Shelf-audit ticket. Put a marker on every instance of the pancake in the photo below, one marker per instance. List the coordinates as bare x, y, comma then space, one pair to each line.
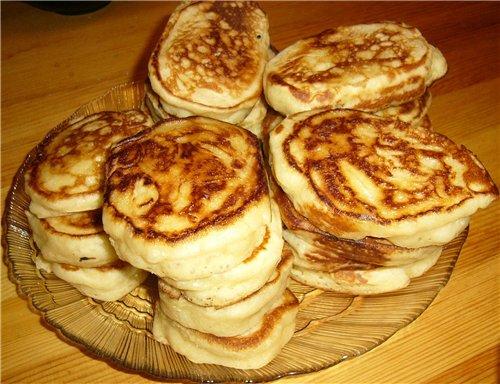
354, 175
323, 247
328, 253
251, 350
368, 249
210, 59
233, 285
229, 320
67, 174
153, 104
106, 283
413, 112
271, 121
253, 121
436, 236
368, 281
366, 67
187, 198
76, 239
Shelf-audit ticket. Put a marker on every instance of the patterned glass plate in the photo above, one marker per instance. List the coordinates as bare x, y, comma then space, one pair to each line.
330, 327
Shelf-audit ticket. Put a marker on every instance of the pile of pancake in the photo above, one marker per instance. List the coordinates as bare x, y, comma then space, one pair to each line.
368, 191
209, 62
218, 249
65, 183
188, 201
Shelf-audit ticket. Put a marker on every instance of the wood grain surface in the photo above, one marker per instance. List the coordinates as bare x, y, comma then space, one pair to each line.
51, 64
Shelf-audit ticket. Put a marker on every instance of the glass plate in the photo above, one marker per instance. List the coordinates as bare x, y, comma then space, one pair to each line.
330, 327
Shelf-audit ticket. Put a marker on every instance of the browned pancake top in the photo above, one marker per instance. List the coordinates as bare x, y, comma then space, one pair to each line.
71, 159
381, 170
183, 176
367, 67
334, 252
215, 46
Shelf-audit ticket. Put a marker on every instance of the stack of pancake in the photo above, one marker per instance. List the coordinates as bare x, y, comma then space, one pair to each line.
209, 62
369, 193
188, 200
65, 184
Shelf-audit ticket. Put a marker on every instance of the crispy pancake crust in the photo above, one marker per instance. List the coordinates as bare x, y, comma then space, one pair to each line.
76, 239
68, 172
367, 67
210, 59
353, 174
187, 198
251, 350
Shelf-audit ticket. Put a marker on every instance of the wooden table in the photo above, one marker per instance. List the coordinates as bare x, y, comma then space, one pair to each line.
51, 64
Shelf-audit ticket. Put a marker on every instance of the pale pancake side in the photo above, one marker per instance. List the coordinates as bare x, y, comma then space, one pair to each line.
76, 239
232, 319
251, 274
253, 122
153, 104
433, 237
106, 283
363, 281
412, 112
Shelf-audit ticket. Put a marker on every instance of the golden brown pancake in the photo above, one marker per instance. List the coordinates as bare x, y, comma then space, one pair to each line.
187, 198
210, 59
107, 283
249, 276
354, 174
77, 239
153, 104
251, 350
68, 172
362, 280
232, 319
321, 248
367, 67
